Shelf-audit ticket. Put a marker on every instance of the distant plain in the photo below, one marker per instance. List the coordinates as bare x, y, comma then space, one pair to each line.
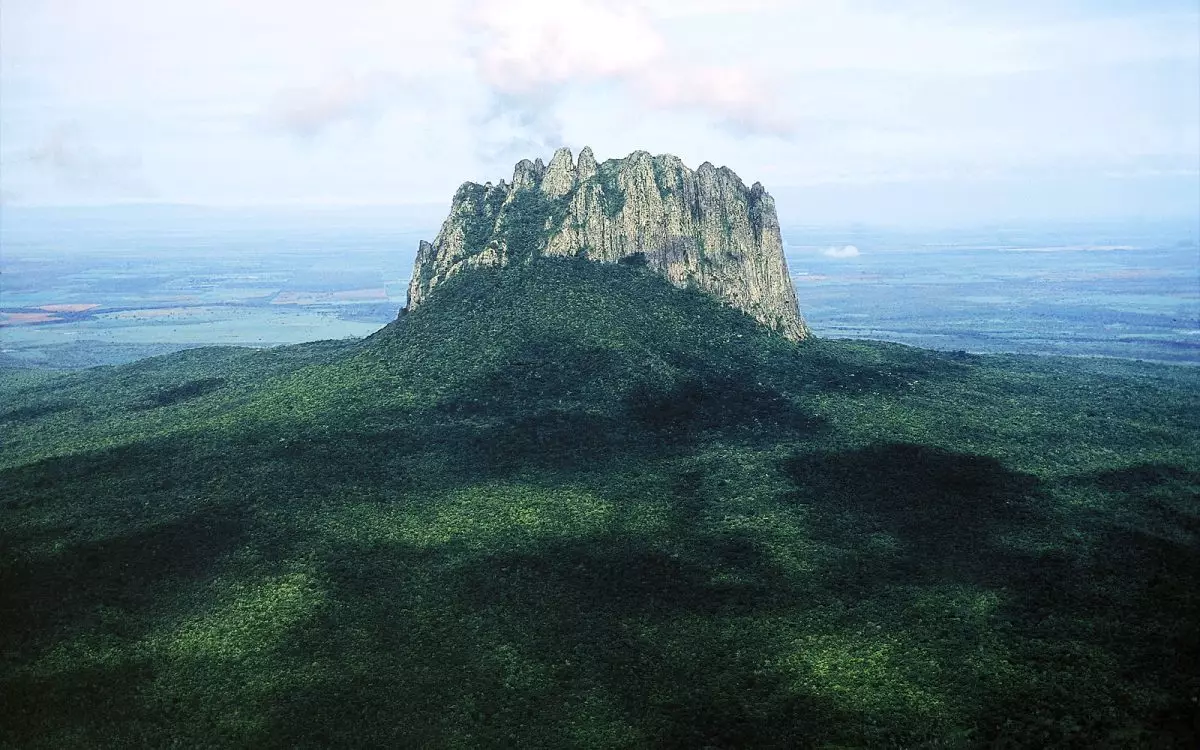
76, 292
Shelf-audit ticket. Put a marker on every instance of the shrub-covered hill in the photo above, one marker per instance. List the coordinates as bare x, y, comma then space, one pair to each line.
568, 505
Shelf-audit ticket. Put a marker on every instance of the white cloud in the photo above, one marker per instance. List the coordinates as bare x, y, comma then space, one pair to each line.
141, 52
208, 92
309, 111
841, 251
669, 9
528, 51
733, 97
527, 46
71, 158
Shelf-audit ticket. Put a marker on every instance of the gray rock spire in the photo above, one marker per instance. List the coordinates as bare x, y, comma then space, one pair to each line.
560, 175
587, 164
701, 228
527, 174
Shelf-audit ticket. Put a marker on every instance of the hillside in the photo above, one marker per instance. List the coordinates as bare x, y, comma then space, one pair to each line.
568, 504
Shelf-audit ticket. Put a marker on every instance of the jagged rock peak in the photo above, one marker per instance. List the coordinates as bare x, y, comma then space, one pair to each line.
701, 228
586, 169
528, 174
560, 177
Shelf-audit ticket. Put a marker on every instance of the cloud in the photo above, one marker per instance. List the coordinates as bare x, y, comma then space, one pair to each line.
865, 92
842, 251
529, 52
67, 154
515, 125
307, 112
525, 47
733, 97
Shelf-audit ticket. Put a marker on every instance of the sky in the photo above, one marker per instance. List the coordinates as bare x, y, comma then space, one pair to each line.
921, 111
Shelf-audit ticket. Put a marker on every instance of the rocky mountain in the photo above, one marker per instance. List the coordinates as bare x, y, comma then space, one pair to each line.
701, 228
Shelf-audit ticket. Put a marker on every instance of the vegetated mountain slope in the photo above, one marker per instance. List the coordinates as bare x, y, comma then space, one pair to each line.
569, 505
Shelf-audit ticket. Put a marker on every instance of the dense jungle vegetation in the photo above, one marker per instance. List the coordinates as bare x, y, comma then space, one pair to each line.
568, 505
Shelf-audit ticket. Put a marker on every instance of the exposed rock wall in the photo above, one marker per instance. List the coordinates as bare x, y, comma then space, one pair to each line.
703, 228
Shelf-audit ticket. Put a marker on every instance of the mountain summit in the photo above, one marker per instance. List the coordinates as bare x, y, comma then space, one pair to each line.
701, 228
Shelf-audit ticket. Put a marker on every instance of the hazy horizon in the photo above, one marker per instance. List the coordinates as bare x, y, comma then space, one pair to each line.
808, 207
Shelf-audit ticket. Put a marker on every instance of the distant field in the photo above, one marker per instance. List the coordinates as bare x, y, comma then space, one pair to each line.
1124, 292
75, 300
111, 294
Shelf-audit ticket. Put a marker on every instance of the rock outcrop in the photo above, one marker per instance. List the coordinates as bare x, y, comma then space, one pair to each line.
701, 228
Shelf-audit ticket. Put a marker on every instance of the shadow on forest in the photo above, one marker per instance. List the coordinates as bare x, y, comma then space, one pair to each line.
502, 635
954, 517
179, 393
111, 590
61, 592
1148, 476
935, 501
431, 643
508, 643
37, 411
562, 406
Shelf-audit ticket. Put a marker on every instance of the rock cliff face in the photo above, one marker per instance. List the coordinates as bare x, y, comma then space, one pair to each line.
702, 228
